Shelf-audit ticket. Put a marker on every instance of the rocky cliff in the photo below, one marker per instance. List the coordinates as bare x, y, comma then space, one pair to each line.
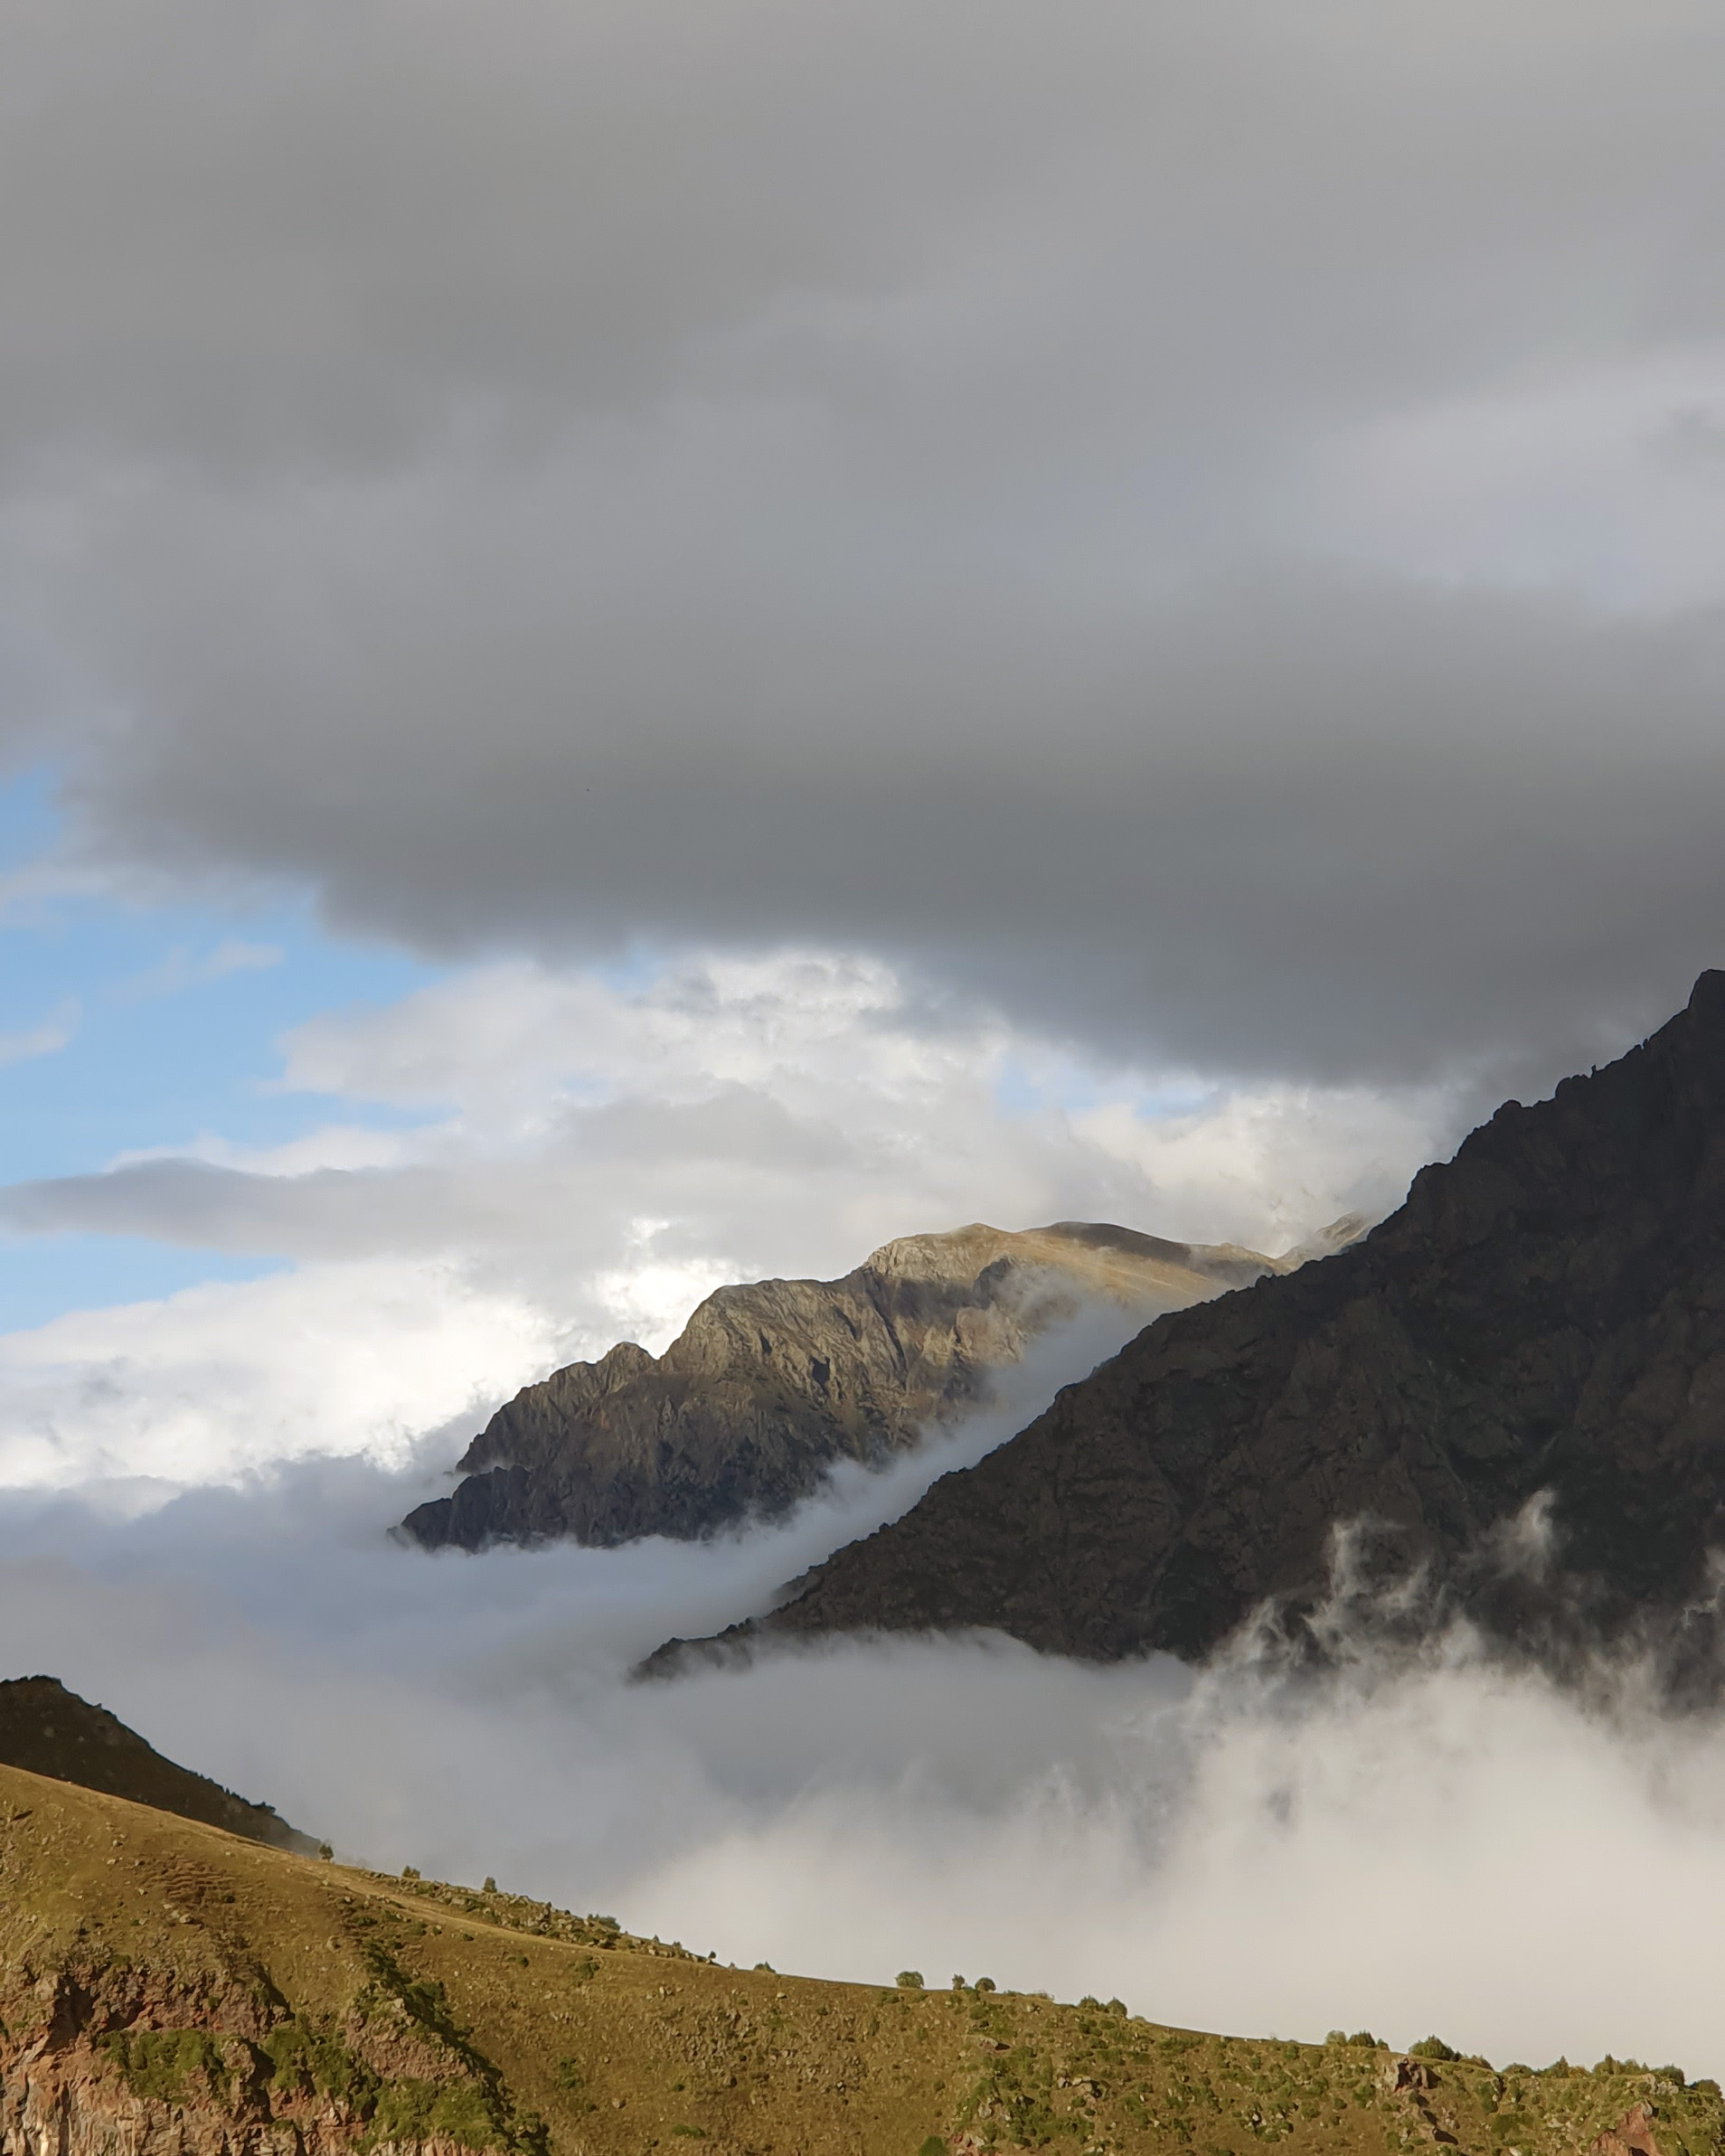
1516, 1382
49, 1730
771, 1384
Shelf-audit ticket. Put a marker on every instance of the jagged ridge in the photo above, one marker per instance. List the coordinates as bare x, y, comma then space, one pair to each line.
1545, 1313
771, 1383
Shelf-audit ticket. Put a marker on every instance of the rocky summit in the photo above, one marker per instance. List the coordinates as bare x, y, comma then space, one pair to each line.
1513, 1390
771, 1384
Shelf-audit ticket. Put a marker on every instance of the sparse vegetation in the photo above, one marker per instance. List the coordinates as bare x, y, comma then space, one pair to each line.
390, 2006
1432, 2047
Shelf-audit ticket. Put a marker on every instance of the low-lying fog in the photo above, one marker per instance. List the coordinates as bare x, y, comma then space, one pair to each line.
1417, 1845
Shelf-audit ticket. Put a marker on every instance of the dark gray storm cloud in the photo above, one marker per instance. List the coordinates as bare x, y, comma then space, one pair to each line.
1188, 525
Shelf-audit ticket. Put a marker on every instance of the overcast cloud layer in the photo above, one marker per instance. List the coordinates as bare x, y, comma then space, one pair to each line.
1202, 527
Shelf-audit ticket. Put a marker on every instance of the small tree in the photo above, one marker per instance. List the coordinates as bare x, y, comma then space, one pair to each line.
908, 1980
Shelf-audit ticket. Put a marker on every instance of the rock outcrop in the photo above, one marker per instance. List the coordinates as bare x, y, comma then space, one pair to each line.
48, 1731
1515, 1384
770, 1384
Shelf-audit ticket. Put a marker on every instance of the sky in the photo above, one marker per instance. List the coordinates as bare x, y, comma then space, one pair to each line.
645, 647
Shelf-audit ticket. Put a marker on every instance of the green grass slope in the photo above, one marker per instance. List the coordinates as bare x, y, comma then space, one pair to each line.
167, 1986
49, 1730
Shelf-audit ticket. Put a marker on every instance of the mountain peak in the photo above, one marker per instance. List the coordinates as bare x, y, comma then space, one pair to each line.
1544, 1317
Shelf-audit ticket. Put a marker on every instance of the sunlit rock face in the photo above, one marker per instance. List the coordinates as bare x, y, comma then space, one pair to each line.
773, 1383
1514, 1389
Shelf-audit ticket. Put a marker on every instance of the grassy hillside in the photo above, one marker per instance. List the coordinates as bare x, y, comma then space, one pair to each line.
48, 1731
165, 1986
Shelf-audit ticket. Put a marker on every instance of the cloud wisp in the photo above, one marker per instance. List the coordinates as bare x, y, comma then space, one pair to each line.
47, 1037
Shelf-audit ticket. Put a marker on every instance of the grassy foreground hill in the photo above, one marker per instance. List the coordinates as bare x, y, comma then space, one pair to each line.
49, 1730
169, 1989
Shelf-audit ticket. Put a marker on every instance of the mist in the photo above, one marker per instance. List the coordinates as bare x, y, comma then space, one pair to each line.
1419, 1840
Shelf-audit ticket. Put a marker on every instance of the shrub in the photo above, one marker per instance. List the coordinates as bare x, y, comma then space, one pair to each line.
424, 2110
1336, 2035
984, 1984
1117, 2007
490, 1886
1432, 2047
1367, 2041
160, 2063
908, 1980
934, 2146
409, 1871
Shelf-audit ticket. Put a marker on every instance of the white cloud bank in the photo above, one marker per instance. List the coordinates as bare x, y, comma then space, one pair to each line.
594, 1154
1411, 1846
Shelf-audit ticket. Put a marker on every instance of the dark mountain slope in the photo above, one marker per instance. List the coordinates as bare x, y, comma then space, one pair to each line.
772, 1382
47, 1730
1545, 1313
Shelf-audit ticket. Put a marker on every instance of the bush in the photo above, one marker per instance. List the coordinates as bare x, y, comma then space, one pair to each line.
1117, 2007
1432, 2047
908, 1980
409, 1871
1336, 2035
933, 2146
1365, 2039
490, 1886
984, 1984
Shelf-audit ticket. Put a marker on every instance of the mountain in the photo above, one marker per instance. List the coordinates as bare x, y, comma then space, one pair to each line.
771, 1384
1516, 1383
168, 1991
48, 1731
